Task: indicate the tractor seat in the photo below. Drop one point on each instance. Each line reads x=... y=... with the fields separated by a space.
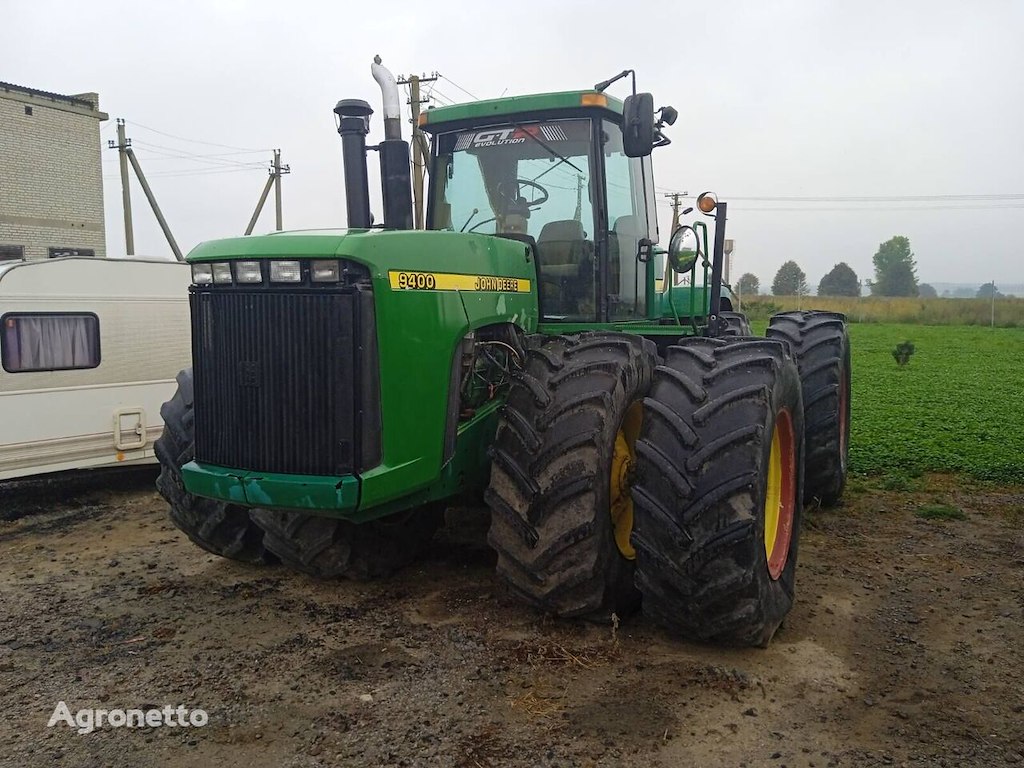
x=560 y=247
x=565 y=266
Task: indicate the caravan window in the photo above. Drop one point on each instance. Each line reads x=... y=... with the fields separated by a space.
x=12 y=252
x=60 y=253
x=49 y=342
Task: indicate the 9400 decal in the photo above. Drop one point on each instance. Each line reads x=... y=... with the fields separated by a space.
x=443 y=281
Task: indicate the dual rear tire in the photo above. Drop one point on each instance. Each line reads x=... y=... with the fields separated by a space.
x=719 y=490
x=821 y=347
x=712 y=441
x=563 y=460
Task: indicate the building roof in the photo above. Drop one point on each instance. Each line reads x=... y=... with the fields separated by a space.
x=76 y=101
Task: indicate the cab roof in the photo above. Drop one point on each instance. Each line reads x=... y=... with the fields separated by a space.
x=474 y=111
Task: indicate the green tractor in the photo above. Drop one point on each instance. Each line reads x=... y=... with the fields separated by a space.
x=633 y=445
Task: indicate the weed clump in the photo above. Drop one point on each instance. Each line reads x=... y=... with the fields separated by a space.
x=940 y=512
x=901 y=353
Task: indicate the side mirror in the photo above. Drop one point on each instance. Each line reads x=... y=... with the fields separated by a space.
x=638 y=125
x=683 y=249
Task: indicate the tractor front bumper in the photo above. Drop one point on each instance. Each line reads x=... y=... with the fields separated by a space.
x=312 y=493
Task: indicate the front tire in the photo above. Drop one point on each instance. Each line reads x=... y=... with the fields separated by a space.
x=719 y=489
x=218 y=527
x=561 y=513
x=329 y=548
x=821 y=345
x=736 y=324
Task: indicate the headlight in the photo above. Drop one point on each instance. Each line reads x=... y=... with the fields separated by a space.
x=222 y=273
x=248 y=272
x=326 y=272
x=285 y=272
x=202 y=274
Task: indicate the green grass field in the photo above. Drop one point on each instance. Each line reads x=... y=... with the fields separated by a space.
x=958 y=406
x=1004 y=313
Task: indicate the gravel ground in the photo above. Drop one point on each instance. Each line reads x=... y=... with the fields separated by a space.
x=906 y=647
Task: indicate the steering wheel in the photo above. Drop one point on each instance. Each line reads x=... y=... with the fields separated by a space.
x=520 y=183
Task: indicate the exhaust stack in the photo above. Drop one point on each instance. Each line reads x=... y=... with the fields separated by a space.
x=395 y=177
x=389 y=89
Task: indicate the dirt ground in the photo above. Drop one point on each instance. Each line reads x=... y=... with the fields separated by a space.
x=906 y=647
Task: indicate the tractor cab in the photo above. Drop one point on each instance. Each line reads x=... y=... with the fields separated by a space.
x=551 y=170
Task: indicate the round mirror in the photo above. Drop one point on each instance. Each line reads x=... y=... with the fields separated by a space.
x=683 y=249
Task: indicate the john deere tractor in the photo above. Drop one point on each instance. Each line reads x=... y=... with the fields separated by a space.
x=631 y=443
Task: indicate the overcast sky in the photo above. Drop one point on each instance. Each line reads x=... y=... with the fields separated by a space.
x=811 y=98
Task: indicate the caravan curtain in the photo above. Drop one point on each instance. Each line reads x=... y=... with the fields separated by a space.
x=50 y=342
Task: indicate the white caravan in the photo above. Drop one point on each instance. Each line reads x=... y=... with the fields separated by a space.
x=90 y=349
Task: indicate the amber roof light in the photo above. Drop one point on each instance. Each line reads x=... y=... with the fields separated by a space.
x=707 y=202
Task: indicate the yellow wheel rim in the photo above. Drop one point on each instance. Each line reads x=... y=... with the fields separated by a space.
x=623 y=463
x=780 y=495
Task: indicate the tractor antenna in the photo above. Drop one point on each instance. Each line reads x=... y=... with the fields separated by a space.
x=605 y=83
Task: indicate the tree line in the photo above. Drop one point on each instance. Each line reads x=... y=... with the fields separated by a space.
x=895 y=275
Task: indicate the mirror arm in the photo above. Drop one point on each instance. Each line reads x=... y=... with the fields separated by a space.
x=716 y=324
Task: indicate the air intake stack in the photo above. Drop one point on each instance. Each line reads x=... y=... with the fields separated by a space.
x=353 y=125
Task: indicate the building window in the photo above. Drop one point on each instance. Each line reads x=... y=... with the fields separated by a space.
x=60 y=253
x=28 y=111
x=49 y=342
x=8 y=252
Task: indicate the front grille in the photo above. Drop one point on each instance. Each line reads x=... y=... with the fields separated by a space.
x=278 y=379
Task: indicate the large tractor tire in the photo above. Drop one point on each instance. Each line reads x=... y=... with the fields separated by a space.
x=718 y=491
x=563 y=457
x=221 y=528
x=821 y=346
x=328 y=548
x=737 y=324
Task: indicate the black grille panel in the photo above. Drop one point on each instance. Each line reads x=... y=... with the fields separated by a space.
x=276 y=379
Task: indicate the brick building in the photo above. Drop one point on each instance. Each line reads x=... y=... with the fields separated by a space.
x=51 y=176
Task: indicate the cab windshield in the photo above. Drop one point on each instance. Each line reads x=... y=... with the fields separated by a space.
x=533 y=179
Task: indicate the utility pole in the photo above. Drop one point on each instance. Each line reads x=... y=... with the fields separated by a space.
x=675 y=197
x=278 y=171
x=992 y=321
x=124 y=147
x=419 y=153
x=273 y=180
x=126 y=195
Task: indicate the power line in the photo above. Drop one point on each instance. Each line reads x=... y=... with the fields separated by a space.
x=197 y=141
x=877 y=198
x=195 y=172
x=434 y=93
x=194 y=158
x=458 y=86
x=178 y=155
x=860 y=209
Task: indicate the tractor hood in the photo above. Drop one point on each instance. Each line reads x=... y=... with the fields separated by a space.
x=398 y=259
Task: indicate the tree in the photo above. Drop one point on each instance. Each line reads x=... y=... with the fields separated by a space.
x=925 y=291
x=748 y=285
x=988 y=291
x=841 y=281
x=895 y=269
x=790 y=280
